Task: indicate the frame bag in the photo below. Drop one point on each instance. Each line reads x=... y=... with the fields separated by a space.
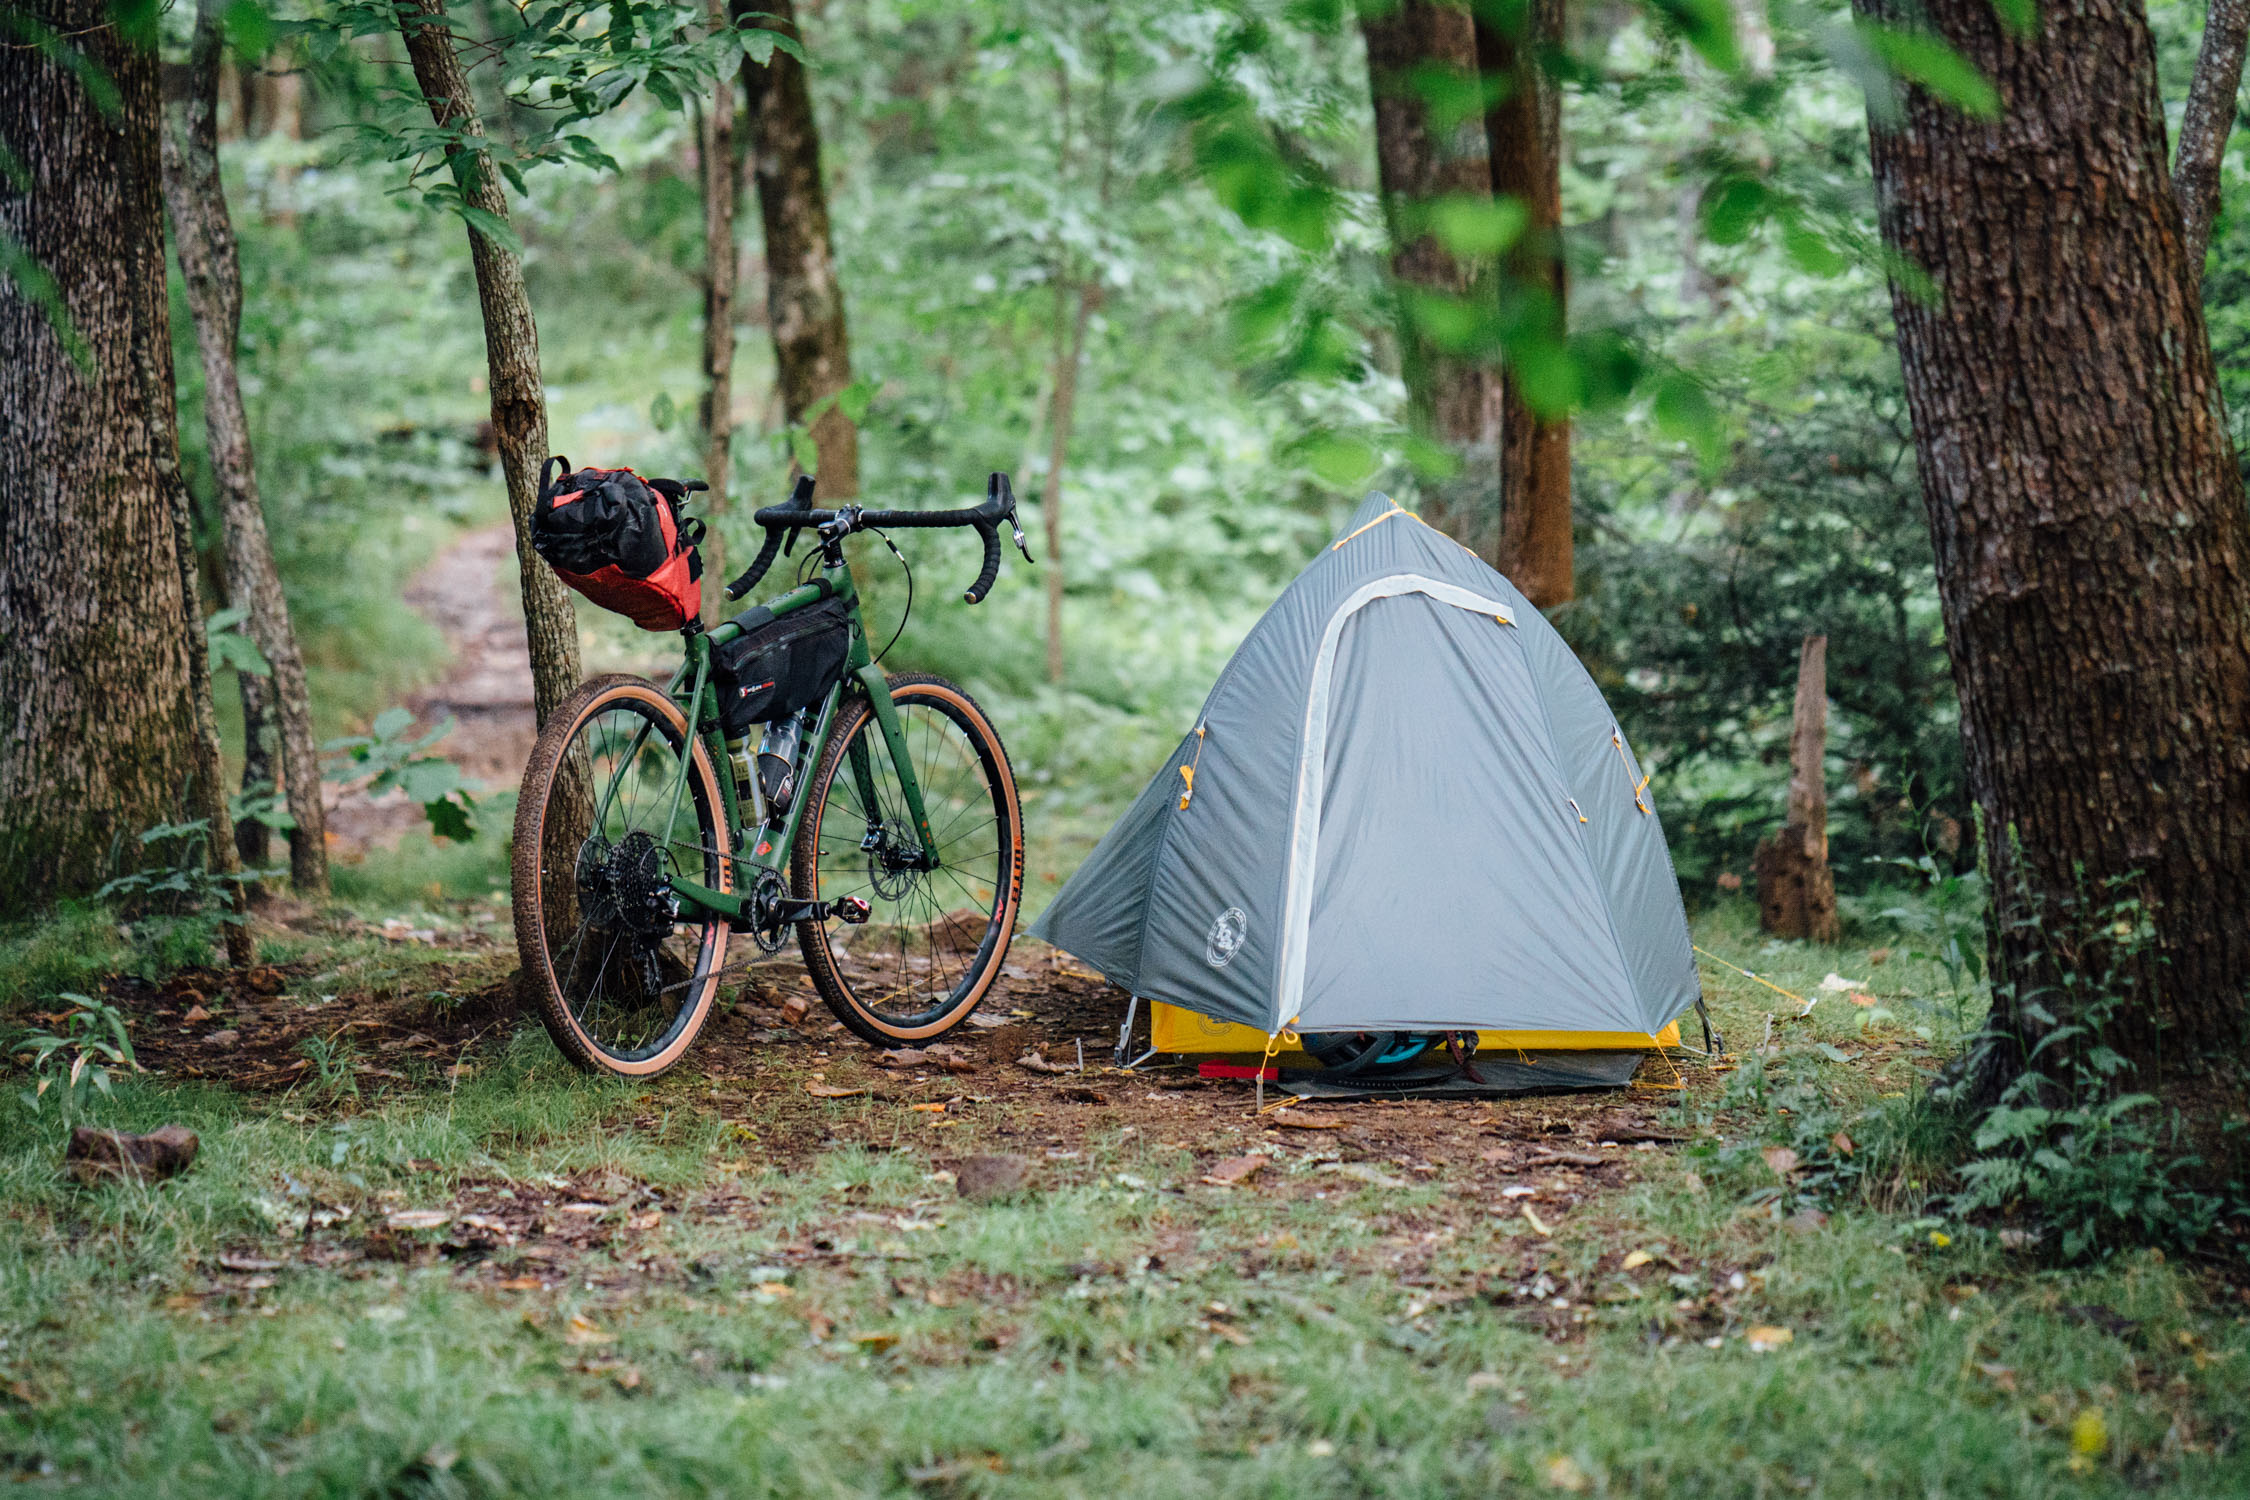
x=619 y=542
x=779 y=664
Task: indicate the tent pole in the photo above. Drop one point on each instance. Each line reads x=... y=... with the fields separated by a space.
x=1125 y=1032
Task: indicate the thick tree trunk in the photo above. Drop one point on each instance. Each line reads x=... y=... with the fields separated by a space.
x=804 y=303
x=1796 y=889
x=511 y=352
x=2093 y=550
x=1452 y=401
x=1523 y=134
x=213 y=271
x=721 y=171
x=100 y=739
x=2206 y=121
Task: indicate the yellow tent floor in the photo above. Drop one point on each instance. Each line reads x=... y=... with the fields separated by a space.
x=1172 y=1029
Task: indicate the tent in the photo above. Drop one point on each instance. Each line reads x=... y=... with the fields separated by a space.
x=1404 y=807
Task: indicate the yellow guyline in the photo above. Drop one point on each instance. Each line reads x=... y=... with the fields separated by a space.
x=1745 y=973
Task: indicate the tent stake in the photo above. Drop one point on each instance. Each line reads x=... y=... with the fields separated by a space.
x=1125 y=1032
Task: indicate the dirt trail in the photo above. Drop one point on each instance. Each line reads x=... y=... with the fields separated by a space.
x=469 y=592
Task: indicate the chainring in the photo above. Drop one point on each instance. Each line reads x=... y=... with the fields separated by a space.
x=766 y=926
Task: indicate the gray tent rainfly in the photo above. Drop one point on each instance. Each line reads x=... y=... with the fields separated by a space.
x=1404 y=807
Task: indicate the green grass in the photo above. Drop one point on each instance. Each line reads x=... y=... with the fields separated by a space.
x=1123 y=1332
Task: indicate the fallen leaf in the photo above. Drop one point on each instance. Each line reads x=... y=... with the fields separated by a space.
x=583 y=1330
x=1860 y=997
x=648 y=1220
x=586 y=1210
x=1781 y=1159
x=793 y=1009
x=903 y=1057
x=419 y=1218
x=1039 y=1064
x=520 y=1284
x=2003 y=1377
x=1562 y=1473
x=1636 y=1259
x=1361 y=1172
x=195 y=1013
x=629 y=1378
x=1842 y=1143
x=1233 y=1170
x=875 y=1343
x=1765 y=1338
x=241 y=1260
x=1837 y=984
x=1550 y=1158
x=830 y=1091
x=1291 y=1119
x=1531 y=1217
x=928 y=1109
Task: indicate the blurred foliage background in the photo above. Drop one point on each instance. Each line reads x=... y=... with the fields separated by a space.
x=1239 y=391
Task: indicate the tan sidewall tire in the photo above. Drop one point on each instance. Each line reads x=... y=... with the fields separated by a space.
x=811 y=936
x=538 y=977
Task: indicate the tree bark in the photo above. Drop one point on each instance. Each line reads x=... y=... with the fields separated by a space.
x=511 y=351
x=94 y=663
x=1452 y=401
x=1523 y=134
x=721 y=169
x=1796 y=888
x=2205 y=123
x=2093 y=551
x=212 y=269
x=1070 y=350
x=804 y=302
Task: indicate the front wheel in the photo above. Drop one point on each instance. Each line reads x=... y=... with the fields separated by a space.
x=938 y=930
x=618 y=798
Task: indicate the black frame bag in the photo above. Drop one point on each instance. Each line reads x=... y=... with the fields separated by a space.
x=779 y=664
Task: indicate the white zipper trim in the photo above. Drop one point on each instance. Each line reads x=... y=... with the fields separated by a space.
x=1312 y=772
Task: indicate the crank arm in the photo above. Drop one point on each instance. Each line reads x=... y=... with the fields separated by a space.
x=789 y=911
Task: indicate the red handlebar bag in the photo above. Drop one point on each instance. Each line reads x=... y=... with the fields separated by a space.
x=620 y=543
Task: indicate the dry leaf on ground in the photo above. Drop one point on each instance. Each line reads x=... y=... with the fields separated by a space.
x=830 y=1091
x=1233 y=1170
x=1766 y=1338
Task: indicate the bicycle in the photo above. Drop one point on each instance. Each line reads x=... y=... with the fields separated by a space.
x=645 y=839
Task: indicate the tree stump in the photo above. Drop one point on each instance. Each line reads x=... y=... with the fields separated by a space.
x=1796 y=889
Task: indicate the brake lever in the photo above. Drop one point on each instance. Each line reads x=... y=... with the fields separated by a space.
x=1016 y=527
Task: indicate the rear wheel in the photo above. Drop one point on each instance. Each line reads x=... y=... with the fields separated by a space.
x=618 y=799
x=937 y=933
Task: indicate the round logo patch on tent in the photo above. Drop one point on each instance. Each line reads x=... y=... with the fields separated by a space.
x=1226 y=937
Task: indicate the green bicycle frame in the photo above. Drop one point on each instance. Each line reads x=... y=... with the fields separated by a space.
x=693 y=689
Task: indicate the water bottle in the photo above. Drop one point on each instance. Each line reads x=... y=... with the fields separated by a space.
x=777 y=762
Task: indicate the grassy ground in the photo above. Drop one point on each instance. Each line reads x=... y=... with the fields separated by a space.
x=722 y=1285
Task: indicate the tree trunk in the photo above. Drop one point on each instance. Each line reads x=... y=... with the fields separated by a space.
x=511 y=351
x=1523 y=133
x=2093 y=551
x=213 y=271
x=1796 y=889
x=721 y=167
x=94 y=664
x=1452 y=401
x=2206 y=121
x=804 y=303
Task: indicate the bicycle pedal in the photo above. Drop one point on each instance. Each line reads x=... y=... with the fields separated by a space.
x=852 y=909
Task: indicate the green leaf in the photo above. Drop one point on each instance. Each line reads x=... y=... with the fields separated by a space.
x=391 y=722
x=1684 y=412
x=1812 y=252
x=1732 y=208
x=1475 y=228
x=2020 y=16
x=227 y=646
x=1707 y=26
x=1923 y=59
x=249 y=29
x=427 y=780
x=451 y=817
x=854 y=399
x=1341 y=461
x=492 y=226
x=663 y=412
